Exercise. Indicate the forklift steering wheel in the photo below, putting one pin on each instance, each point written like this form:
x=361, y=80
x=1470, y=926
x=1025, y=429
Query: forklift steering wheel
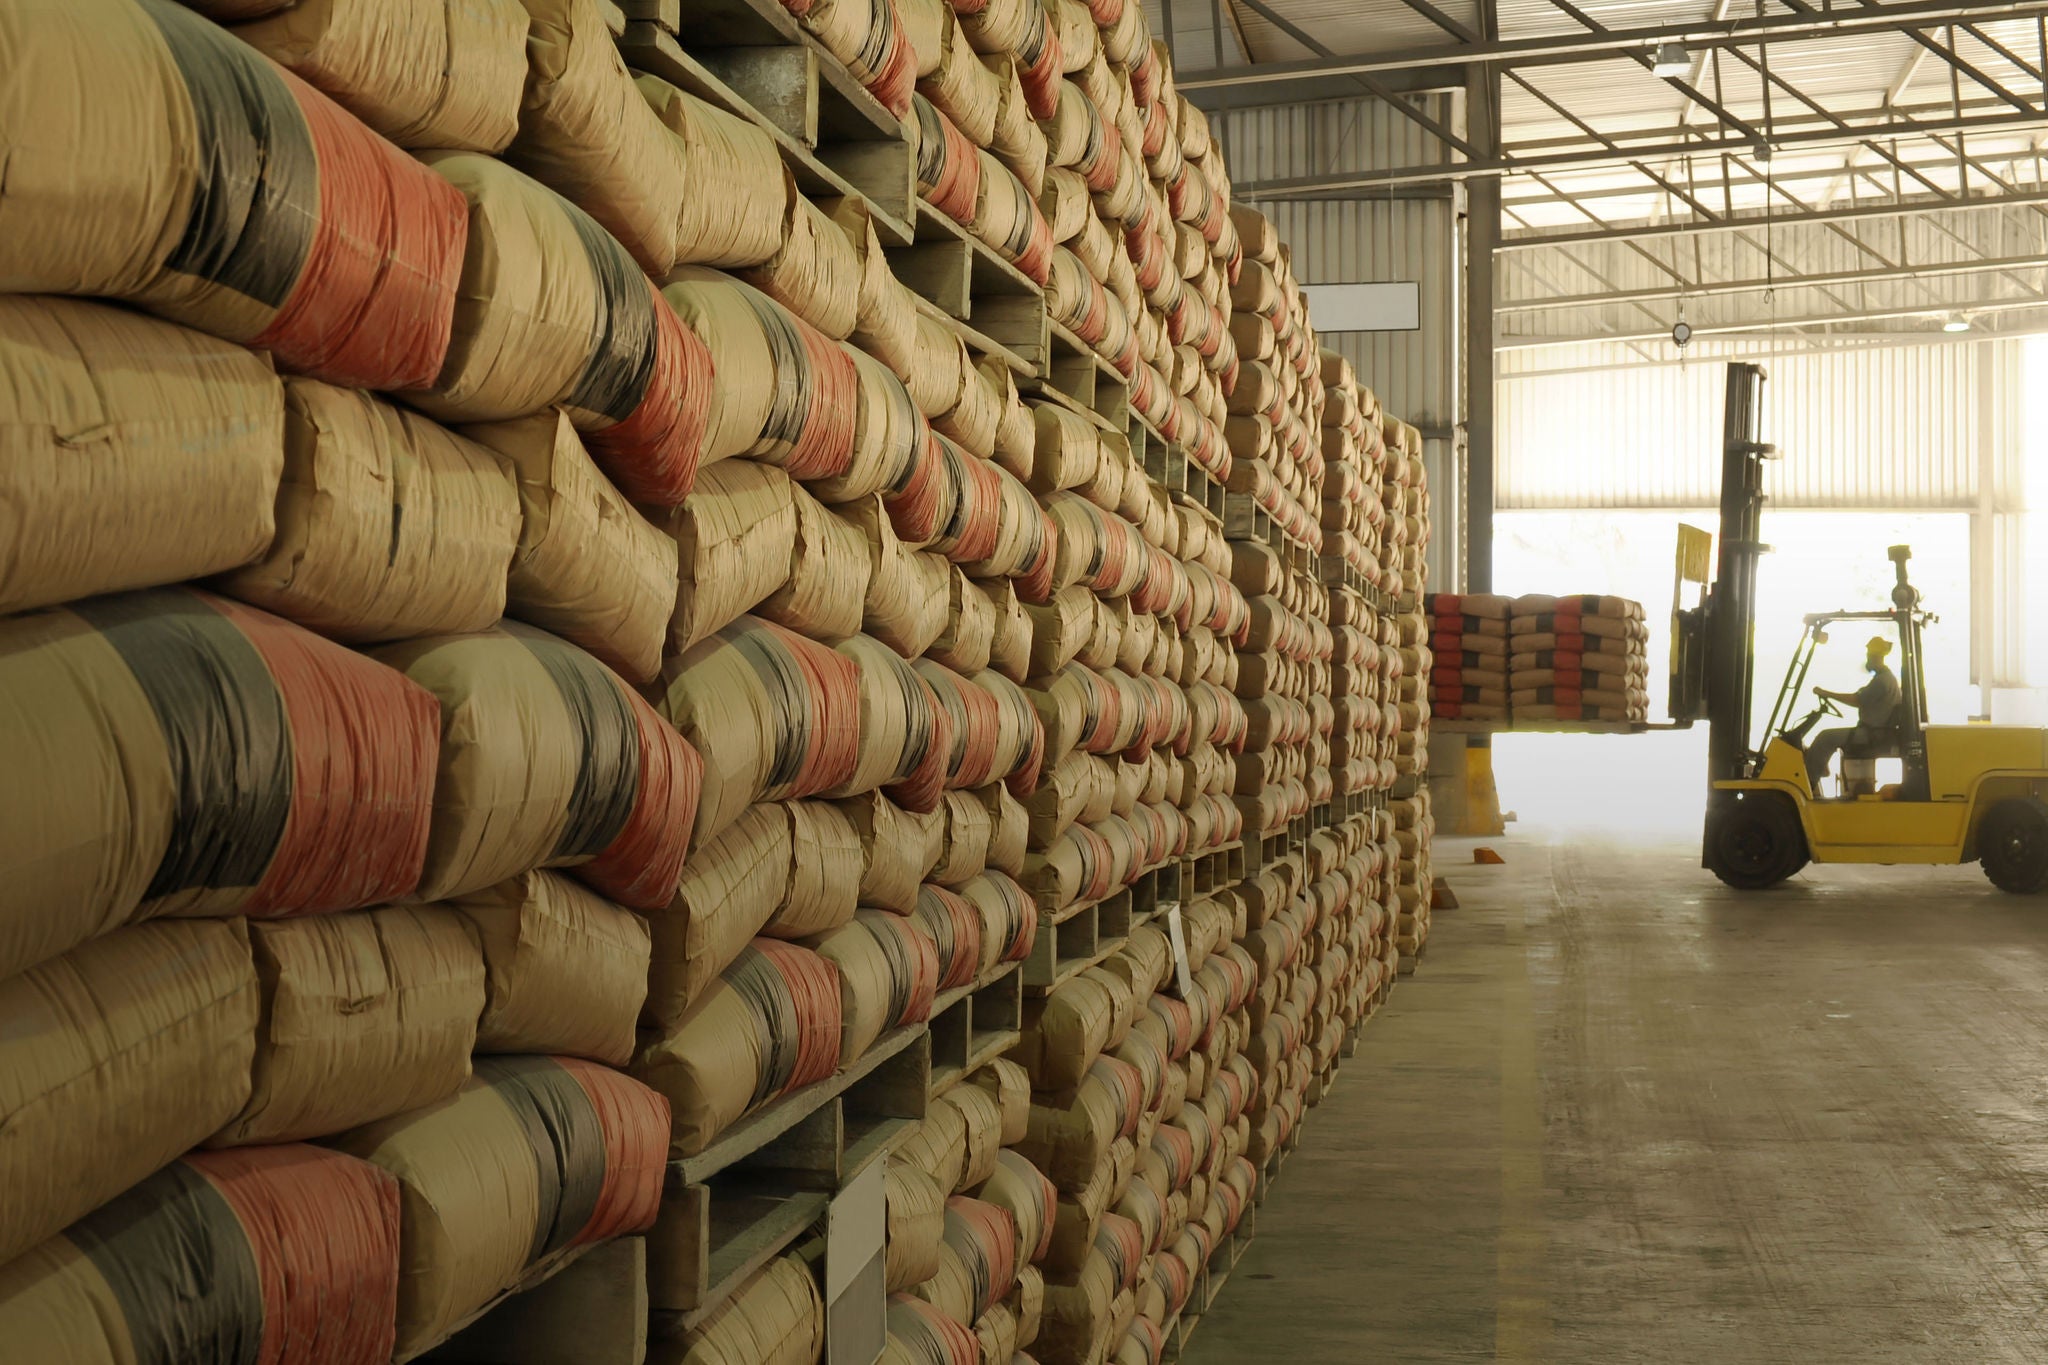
x=1827, y=704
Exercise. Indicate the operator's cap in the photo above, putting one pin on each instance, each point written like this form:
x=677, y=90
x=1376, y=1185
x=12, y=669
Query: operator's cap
x=1879, y=645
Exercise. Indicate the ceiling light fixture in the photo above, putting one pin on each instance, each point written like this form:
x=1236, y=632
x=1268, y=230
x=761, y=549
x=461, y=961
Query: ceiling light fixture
x=1956, y=323
x=1670, y=59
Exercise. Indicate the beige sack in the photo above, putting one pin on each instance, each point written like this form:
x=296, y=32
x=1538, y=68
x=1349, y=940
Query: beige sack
x=116, y=1058
x=365, y=1015
x=424, y=73
x=787, y=869
x=586, y=132
x=916, y=1225
x=589, y=568
x=736, y=191
x=565, y=970
x=138, y=452
x=388, y=526
x=775, y=1318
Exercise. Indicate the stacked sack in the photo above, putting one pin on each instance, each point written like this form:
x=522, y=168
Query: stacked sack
x=1366, y=663
x=1580, y=658
x=1138, y=1112
x=322, y=955
x=1468, y=637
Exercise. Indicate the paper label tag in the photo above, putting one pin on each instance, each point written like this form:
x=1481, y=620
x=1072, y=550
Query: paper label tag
x=1177, y=936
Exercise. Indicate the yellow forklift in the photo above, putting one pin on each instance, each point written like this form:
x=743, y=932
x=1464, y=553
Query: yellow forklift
x=1966, y=793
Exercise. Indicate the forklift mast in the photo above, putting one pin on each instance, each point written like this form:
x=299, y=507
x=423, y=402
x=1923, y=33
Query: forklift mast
x=1728, y=618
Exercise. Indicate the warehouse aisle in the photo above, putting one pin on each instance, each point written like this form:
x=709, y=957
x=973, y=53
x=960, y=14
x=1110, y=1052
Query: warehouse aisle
x=1622, y=1114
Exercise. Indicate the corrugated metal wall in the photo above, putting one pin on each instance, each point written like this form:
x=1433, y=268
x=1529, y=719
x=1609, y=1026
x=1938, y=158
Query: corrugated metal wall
x=1364, y=240
x=1877, y=427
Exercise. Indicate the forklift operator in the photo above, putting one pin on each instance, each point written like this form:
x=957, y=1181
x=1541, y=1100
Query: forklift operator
x=1875, y=703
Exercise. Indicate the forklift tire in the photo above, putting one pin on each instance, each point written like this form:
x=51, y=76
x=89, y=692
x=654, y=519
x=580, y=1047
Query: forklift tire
x=2013, y=845
x=1756, y=841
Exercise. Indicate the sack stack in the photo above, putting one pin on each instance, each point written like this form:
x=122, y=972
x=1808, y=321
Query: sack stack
x=529, y=644
x=1582, y=658
x=1468, y=637
x=332, y=807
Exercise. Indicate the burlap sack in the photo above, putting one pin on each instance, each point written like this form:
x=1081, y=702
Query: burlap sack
x=888, y=973
x=1010, y=646
x=587, y=132
x=1009, y=830
x=1009, y=918
x=138, y=452
x=738, y=193
x=364, y=1015
x=387, y=525
x=259, y=1234
x=899, y=848
x=776, y=1317
x=789, y=870
x=589, y=568
x=477, y=1209
x=1065, y=1032
x=905, y=735
x=445, y=73
x=549, y=759
x=775, y=717
x=553, y=310
x=175, y=752
x=867, y=36
x=905, y=606
x=1011, y=1086
x=1007, y=220
x=814, y=272
x=961, y=88
x=769, y=1024
x=922, y=1334
x=782, y=391
x=117, y=1057
x=886, y=312
x=889, y=438
x=211, y=186
x=565, y=971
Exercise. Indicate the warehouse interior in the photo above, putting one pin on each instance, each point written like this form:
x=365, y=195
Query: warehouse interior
x=1022, y=682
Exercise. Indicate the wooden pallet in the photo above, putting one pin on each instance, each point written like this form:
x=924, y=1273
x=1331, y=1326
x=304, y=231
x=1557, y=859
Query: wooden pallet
x=1244, y=519
x=1082, y=377
x=997, y=309
x=1262, y=851
x=1214, y=1274
x=972, y=1025
x=1081, y=936
x=1167, y=464
x=1216, y=869
x=1447, y=726
x=590, y=1310
x=749, y=58
x=769, y=1178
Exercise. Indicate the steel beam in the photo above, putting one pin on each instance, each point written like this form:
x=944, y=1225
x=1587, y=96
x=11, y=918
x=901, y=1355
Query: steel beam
x=1773, y=27
x=1777, y=324
x=1821, y=280
x=1593, y=158
x=1538, y=237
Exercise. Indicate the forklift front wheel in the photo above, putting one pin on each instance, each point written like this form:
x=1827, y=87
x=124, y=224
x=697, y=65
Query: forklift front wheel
x=2013, y=844
x=1756, y=841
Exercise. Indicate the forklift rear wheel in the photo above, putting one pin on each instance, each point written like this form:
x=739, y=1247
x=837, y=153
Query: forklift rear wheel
x=1757, y=841
x=2013, y=844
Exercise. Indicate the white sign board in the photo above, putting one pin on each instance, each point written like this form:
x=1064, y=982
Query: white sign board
x=1392, y=307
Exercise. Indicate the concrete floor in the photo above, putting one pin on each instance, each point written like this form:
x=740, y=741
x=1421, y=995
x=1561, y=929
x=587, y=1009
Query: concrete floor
x=1623, y=1114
